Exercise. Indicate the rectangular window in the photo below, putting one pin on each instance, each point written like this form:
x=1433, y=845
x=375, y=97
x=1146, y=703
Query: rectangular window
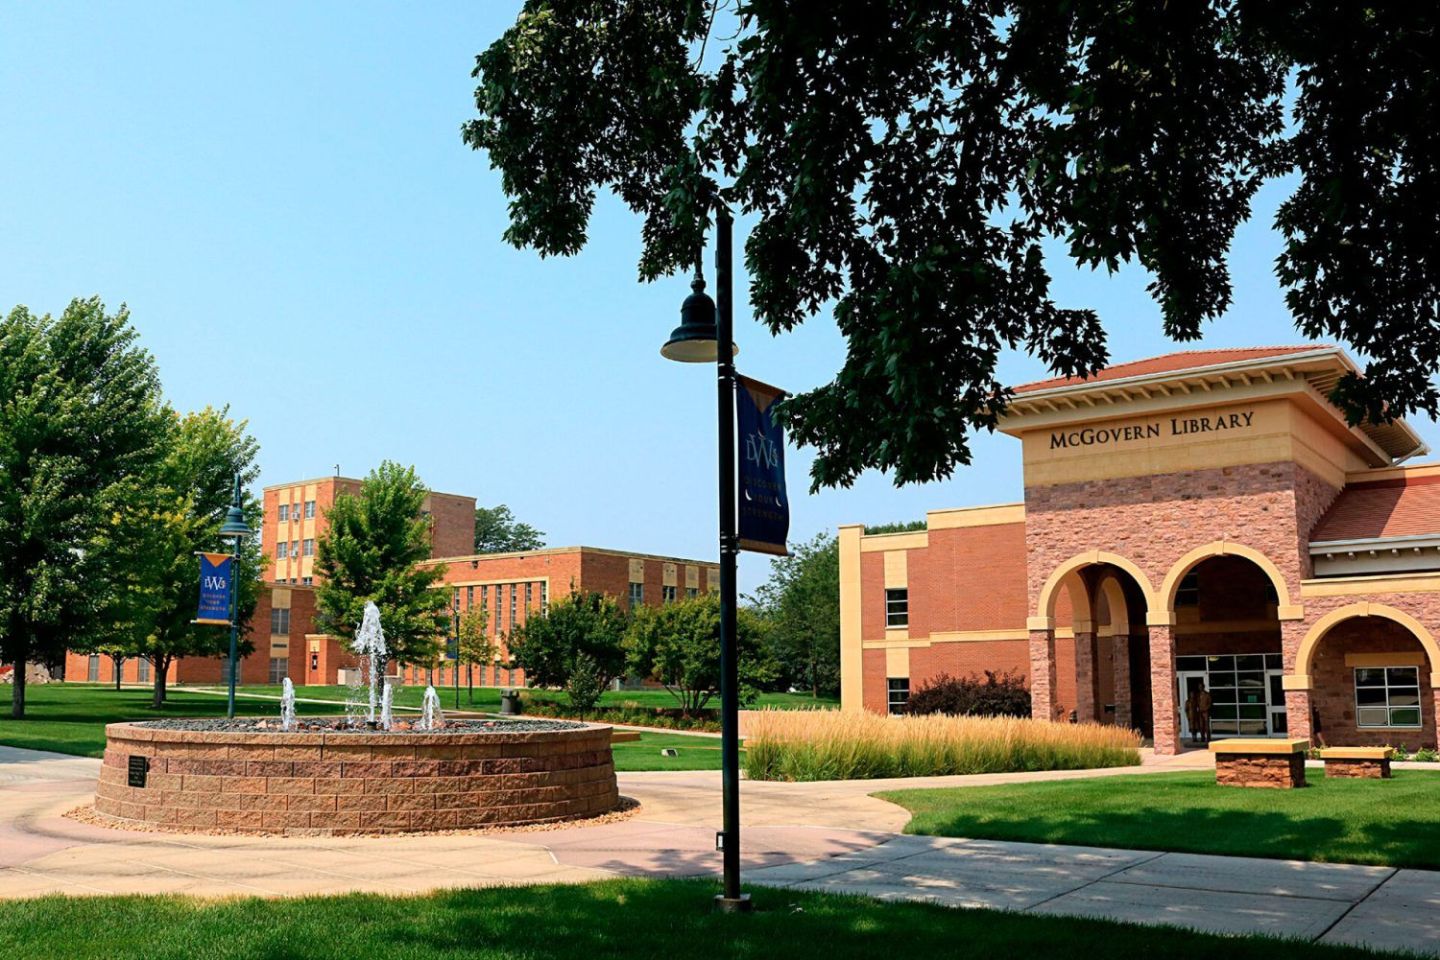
x=284, y=512
x=309, y=548
x=667, y=594
x=691, y=593
x=897, y=693
x=282, y=550
x=142, y=670
x=280, y=621
x=279, y=669
x=544, y=597
x=637, y=595
x=455, y=599
x=513, y=601
x=92, y=669
x=309, y=509
x=307, y=581
x=1387, y=697
x=469, y=597
x=528, y=588
x=897, y=607
x=294, y=548
x=484, y=596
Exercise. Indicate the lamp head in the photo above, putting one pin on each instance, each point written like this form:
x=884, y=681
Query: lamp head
x=695, y=340
x=235, y=525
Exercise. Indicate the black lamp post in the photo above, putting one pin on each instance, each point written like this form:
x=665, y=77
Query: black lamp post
x=236, y=529
x=706, y=335
x=455, y=663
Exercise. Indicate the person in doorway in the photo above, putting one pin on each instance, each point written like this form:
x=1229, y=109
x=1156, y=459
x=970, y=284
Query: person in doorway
x=1192, y=715
x=1203, y=703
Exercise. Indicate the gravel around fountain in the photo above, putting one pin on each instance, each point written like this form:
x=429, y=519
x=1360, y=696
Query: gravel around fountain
x=400, y=727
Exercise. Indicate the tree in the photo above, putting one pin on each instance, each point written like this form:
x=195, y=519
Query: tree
x=678, y=646
x=172, y=512
x=801, y=601
x=906, y=160
x=497, y=531
x=574, y=645
x=474, y=645
x=80, y=415
x=372, y=552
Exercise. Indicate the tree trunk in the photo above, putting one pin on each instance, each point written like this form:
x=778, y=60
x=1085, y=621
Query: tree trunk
x=119, y=665
x=161, y=668
x=17, y=693
x=470, y=683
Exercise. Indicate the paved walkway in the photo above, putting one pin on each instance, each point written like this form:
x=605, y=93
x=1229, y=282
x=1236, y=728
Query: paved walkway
x=817, y=836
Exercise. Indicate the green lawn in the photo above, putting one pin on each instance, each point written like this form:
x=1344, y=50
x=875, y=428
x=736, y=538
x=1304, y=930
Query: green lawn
x=657, y=919
x=71, y=718
x=1394, y=822
x=488, y=698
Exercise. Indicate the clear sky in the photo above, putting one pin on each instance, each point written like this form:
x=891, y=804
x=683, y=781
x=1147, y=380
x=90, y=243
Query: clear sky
x=280, y=194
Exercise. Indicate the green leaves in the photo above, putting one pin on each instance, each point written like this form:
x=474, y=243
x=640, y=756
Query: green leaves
x=904, y=161
x=678, y=646
x=373, y=552
x=497, y=531
x=575, y=644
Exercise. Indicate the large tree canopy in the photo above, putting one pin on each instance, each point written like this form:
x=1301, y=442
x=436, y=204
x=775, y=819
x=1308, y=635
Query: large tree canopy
x=905, y=160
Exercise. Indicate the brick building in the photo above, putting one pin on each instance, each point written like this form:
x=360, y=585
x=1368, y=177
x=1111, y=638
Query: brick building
x=511, y=586
x=1203, y=517
x=295, y=521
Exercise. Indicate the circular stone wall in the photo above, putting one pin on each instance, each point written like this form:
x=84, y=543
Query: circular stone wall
x=341, y=782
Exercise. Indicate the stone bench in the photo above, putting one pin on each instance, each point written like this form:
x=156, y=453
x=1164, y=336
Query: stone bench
x=1258, y=762
x=624, y=736
x=1361, y=763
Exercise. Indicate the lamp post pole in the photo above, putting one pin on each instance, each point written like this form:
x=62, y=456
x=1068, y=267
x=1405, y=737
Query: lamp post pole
x=705, y=335
x=235, y=528
x=455, y=664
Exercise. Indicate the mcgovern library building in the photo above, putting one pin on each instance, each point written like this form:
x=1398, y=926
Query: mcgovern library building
x=1200, y=517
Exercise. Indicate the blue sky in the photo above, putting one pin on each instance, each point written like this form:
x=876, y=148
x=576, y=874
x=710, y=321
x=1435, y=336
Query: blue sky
x=280, y=194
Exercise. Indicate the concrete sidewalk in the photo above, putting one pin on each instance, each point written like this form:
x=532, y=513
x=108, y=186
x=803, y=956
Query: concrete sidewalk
x=822, y=836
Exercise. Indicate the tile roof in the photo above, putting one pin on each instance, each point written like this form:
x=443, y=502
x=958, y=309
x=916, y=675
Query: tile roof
x=1405, y=507
x=1170, y=362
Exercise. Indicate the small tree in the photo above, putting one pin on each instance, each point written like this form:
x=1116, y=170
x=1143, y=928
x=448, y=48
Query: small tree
x=802, y=602
x=497, y=531
x=372, y=553
x=678, y=645
x=474, y=645
x=575, y=645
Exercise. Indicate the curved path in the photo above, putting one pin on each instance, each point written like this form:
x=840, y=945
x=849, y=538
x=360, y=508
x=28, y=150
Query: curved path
x=823, y=836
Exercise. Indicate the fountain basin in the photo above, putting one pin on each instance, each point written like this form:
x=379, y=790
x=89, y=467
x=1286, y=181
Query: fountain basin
x=220, y=775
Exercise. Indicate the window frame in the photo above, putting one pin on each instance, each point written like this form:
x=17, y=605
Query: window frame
x=892, y=687
x=637, y=594
x=282, y=513
x=1390, y=708
x=897, y=617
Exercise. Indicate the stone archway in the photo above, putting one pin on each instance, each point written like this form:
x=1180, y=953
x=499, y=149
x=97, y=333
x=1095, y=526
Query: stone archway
x=1286, y=610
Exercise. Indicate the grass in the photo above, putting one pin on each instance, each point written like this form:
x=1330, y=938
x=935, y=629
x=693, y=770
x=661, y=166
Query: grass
x=857, y=746
x=1391, y=822
x=640, y=919
x=487, y=699
x=70, y=718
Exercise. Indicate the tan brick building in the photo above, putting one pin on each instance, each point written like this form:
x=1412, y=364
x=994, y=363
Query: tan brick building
x=1201, y=518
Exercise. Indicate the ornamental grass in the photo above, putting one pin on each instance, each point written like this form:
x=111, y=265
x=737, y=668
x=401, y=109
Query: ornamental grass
x=855, y=745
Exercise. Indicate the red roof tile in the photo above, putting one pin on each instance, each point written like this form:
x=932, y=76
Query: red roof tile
x=1384, y=508
x=1168, y=363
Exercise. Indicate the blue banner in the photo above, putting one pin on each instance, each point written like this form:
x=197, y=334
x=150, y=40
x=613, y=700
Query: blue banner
x=215, y=584
x=764, y=506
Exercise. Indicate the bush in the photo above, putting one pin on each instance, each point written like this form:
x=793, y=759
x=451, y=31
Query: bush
x=629, y=714
x=1426, y=755
x=991, y=695
x=834, y=745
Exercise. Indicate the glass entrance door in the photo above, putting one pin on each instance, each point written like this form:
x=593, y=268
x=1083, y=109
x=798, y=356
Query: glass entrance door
x=1245, y=692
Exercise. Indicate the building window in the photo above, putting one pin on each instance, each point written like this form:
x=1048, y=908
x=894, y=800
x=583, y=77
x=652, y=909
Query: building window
x=142, y=670
x=528, y=588
x=667, y=594
x=280, y=621
x=92, y=669
x=691, y=593
x=284, y=512
x=637, y=595
x=307, y=581
x=309, y=509
x=1387, y=697
x=455, y=599
x=897, y=693
x=544, y=597
x=309, y=548
x=469, y=597
x=484, y=596
x=897, y=607
x=294, y=548
x=282, y=550
x=513, y=601
x=279, y=669
x=1188, y=593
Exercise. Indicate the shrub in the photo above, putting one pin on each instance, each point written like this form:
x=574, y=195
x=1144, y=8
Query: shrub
x=834, y=745
x=1401, y=753
x=991, y=695
x=1425, y=755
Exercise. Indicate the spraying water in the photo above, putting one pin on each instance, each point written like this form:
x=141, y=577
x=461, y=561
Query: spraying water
x=432, y=717
x=370, y=644
x=387, y=717
x=287, y=705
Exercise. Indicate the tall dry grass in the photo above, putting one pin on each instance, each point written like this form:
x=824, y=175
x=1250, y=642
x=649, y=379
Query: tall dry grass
x=836, y=745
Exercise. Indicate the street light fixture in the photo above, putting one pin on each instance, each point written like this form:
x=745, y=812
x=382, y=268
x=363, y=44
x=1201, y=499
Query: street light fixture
x=234, y=528
x=706, y=335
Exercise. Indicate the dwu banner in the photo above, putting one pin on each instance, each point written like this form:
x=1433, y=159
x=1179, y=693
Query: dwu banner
x=764, y=506
x=215, y=583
